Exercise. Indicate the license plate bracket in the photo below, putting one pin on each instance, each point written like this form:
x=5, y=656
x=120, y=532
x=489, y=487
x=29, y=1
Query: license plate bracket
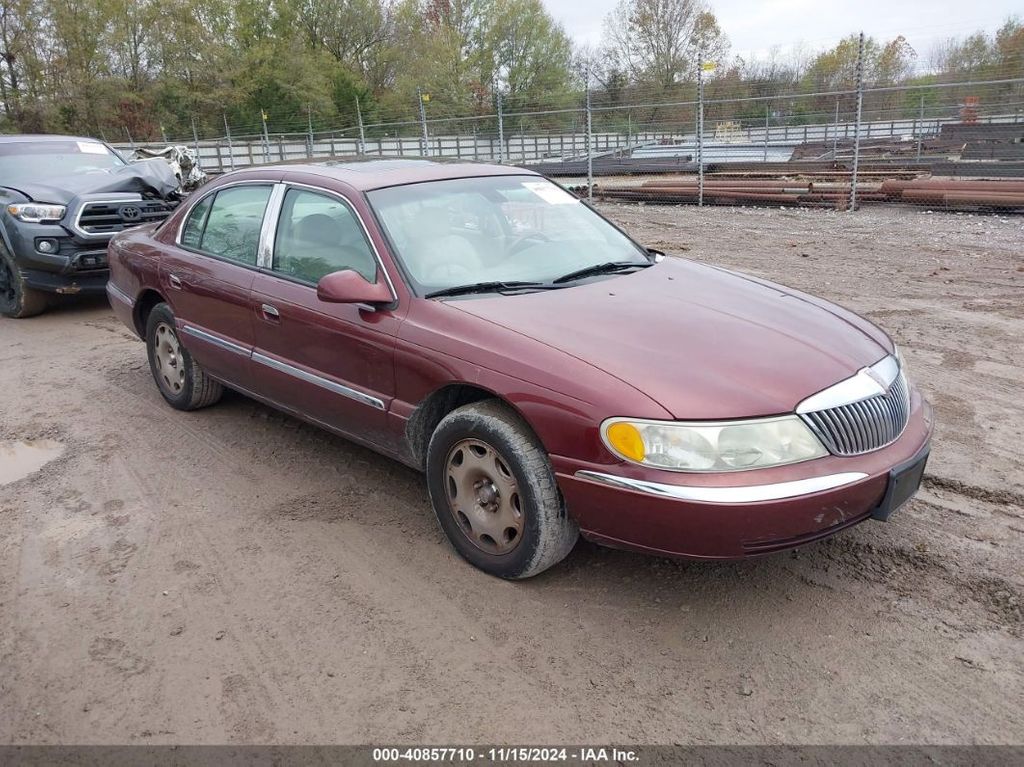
x=904, y=480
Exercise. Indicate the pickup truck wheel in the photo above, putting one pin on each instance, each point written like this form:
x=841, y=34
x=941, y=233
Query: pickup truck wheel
x=494, y=492
x=182, y=382
x=17, y=300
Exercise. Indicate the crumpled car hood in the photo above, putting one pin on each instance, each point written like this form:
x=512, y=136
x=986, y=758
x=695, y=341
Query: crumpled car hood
x=146, y=177
x=702, y=342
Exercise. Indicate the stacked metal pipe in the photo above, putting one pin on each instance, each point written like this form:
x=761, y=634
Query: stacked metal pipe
x=739, y=191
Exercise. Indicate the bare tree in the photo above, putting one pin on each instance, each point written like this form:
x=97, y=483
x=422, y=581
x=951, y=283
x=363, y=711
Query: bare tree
x=658, y=41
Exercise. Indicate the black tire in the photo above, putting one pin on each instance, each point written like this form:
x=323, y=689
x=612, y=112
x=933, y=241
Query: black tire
x=546, y=534
x=182, y=382
x=17, y=300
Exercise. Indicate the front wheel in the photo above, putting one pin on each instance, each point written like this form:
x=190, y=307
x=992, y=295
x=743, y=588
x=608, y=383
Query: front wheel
x=17, y=300
x=494, y=492
x=182, y=382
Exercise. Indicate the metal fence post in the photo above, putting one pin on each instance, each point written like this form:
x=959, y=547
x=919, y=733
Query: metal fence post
x=835, y=135
x=856, y=135
x=266, y=136
x=700, y=128
x=309, y=127
x=767, y=114
x=425, y=138
x=920, y=129
x=362, y=130
x=231, y=148
x=590, y=145
x=501, y=131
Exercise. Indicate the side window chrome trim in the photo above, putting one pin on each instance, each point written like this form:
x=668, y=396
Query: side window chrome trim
x=356, y=215
x=268, y=233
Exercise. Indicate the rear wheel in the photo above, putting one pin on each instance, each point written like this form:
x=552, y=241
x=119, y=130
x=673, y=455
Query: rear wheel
x=494, y=492
x=17, y=300
x=182, y=382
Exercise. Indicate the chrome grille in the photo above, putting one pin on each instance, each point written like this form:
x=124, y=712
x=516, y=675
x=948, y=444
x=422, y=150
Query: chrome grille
x=866, y=425
x=111, y=217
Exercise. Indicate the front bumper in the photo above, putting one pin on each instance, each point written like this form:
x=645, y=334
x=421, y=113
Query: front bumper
x=731, y=516
x=77, y=266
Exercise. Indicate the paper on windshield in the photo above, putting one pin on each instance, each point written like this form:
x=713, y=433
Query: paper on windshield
x=550, y=193
x=89, y=147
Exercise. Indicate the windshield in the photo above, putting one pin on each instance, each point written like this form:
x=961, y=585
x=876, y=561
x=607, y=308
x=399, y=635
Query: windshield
x=38, y=160
x=495, y=229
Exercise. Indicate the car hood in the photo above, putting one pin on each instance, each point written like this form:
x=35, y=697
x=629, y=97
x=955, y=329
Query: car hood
x=146, y=177
x=702, y=342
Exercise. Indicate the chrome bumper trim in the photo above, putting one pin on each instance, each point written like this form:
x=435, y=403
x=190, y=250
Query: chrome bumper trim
x=746, y=494
x=116, y=292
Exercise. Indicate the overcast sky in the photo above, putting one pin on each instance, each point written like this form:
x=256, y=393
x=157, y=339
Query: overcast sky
x=754, y=26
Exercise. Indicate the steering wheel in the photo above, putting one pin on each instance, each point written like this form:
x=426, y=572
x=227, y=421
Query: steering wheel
x=522, y=240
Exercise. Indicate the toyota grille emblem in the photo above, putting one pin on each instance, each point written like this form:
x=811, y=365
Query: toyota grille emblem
x=130, y=213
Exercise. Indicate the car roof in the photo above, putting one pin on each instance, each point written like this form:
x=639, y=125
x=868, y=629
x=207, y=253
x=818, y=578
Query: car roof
x=10, y=138
x=366, y=175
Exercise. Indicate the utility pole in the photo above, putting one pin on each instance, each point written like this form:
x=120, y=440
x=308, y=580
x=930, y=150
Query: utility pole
x=856, y=135
x=195, y=137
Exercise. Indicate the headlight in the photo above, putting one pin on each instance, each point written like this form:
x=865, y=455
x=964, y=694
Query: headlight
x=721, y=446
x=37, y=212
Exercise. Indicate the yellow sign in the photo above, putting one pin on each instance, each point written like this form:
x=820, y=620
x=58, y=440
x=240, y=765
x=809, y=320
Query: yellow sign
x=426, y=97
x=709, y=66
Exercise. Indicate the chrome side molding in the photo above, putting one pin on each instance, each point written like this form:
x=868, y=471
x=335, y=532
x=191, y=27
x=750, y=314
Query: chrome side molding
x=210, y=338
x=325, y=383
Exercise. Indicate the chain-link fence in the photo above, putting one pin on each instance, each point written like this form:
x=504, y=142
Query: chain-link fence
x=945, y=143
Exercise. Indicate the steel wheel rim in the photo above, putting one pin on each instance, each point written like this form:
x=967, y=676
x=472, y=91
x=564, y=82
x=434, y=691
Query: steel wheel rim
x=483, y=497
x=170, y=370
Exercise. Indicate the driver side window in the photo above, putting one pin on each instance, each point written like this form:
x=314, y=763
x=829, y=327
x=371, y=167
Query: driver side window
x=318, y=234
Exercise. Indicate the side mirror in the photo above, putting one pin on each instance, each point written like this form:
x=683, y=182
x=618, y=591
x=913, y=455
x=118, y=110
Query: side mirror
x=350, y=287
x=656, y=254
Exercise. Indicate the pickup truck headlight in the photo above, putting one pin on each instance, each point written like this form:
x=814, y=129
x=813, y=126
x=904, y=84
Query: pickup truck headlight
x=712, y=447
x=37, y=212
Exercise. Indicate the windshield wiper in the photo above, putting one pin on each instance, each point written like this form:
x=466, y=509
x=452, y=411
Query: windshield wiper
x=609, y=267
x=489, y=287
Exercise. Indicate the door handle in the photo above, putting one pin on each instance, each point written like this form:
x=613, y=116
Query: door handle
x=175, y=281
x=270, y=313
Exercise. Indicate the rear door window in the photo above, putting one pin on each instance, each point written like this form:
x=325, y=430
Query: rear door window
x=192, y=233
x=231, y=228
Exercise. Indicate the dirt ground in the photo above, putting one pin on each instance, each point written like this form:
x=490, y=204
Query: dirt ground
x=233, y=575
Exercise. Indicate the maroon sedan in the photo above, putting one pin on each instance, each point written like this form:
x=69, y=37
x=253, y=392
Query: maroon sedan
x=551, y=376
